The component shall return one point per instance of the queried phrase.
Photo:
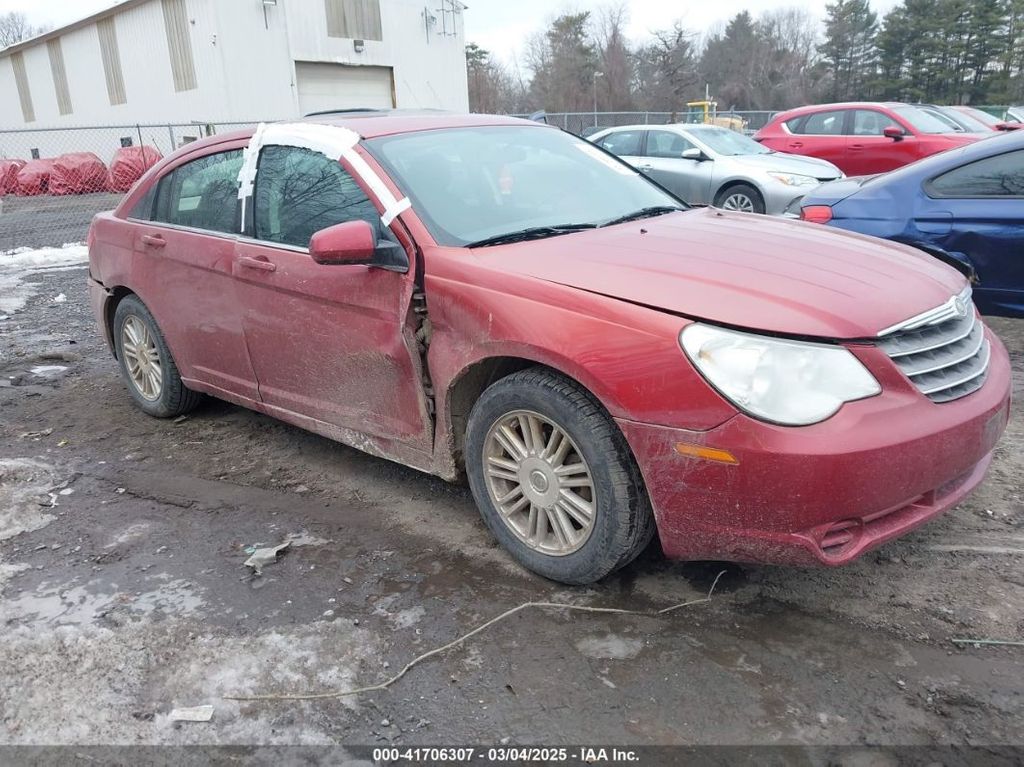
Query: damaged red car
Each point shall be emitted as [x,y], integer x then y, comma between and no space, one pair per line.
[499,300]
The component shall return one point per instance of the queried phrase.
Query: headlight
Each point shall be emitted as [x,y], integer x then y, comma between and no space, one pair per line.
[793,383]
[792,179]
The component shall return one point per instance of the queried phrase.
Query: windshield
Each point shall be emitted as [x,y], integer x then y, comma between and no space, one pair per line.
[471,184]
[965,119]
[729,143]
[922,121]
[983,117]
[953,123]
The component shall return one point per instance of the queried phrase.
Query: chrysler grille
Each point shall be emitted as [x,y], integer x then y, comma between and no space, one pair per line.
[943,351]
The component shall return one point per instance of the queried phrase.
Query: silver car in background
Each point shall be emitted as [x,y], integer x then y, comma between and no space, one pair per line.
[710,165]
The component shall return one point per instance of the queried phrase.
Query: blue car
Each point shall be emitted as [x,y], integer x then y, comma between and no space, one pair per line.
[964,206]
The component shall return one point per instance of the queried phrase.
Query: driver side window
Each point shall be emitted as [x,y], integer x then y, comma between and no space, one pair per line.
[868,122]
[299,192]
[662,143]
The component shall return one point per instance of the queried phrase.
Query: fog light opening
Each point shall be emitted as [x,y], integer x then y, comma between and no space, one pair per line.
[841,538]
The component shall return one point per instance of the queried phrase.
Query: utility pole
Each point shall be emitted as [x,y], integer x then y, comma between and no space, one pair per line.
[596,75]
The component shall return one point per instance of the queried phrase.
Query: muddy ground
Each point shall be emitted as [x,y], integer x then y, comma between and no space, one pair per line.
[124,595]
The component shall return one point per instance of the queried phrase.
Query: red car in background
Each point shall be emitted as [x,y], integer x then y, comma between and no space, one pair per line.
[496,299]
[861,138]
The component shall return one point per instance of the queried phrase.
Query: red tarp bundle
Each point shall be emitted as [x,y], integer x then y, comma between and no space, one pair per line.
[9,175]
[78,173]
[34,178]
[129,164]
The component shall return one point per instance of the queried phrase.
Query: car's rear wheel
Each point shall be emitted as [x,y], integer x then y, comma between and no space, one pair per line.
[146,363]
[555,479]
[741,197]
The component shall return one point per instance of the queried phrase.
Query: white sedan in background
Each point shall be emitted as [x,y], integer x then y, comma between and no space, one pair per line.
[709,165]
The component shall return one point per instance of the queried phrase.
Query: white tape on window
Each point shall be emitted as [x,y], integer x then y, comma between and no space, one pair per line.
[394,212]
[332,141]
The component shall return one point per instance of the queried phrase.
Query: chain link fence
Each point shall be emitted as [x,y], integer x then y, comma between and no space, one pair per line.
[53,181]
[586,123]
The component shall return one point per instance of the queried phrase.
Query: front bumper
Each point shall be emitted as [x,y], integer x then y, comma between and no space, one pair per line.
[780,199]
[827,493]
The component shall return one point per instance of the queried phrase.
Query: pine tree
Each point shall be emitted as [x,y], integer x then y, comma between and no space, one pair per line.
[849,50]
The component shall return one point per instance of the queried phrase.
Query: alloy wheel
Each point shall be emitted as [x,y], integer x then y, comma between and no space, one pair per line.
[539,482]
[738,201]
[142,358]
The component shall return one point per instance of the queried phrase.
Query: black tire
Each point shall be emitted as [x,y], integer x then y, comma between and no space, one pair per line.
[756,200]
[623,521]
[174,398]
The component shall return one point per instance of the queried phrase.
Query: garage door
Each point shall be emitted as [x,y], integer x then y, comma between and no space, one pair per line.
[323,87]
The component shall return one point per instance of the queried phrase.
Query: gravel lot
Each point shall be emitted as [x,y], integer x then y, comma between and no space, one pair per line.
[124,595]
[37,221]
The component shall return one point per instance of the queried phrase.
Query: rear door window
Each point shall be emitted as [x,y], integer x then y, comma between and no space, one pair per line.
[202,194]
[820,124]
[999,176]
[300,191]
[623,143]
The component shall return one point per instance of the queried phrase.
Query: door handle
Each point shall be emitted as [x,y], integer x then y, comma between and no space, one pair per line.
[645,166]
[856,147]
[261,264]
[795,144]
[154,240]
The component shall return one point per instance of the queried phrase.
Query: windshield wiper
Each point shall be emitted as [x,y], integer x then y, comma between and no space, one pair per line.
[655,210]
[532,233]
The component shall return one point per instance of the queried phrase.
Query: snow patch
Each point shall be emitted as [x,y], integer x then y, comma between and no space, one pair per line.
[610,647]
[18,264]
[23,481]
[98,685]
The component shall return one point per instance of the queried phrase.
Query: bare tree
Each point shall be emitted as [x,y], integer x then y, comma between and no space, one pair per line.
[616,60]
[14,28]
[667,69]
[493,89]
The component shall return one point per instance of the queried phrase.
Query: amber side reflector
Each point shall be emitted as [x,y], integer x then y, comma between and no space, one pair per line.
[816,214]
[706,453]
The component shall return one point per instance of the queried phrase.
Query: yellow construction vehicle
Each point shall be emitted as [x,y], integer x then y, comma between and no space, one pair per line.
[706,112]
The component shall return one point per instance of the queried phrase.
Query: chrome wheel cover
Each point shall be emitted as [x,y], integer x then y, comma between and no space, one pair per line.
[142,359]
[539,482]
[738,201]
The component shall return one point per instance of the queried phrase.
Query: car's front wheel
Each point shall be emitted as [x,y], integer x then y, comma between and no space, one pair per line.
[555,479]
[741,197]
[146,362]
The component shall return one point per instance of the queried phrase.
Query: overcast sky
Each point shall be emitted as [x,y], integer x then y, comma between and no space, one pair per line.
[502,26]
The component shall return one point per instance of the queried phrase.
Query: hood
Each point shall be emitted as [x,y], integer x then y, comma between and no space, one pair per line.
[956,139]
[744,270]
[780,162]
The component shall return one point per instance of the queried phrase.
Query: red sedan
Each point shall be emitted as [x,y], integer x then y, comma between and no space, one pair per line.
[497,299]
[861,138]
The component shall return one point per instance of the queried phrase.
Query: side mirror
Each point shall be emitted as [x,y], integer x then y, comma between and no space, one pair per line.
[894,132]
[352,242]
[693,153]
[1003,126]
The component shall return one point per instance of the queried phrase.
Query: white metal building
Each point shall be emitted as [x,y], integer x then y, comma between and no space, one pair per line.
[208,61]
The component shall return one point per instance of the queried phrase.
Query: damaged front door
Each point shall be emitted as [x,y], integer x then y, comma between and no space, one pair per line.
[331,343]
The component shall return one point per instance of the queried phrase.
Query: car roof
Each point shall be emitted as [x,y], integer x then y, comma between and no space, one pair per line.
[371,123]
[839,105]
[663,126]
